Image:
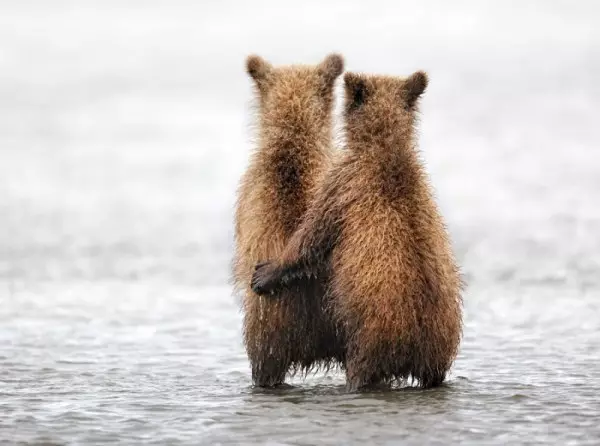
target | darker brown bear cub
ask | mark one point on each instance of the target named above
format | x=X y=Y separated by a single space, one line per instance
x=374 y=231
x=294 y=150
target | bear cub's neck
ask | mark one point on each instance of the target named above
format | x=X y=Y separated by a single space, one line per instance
x=392 y=159
x=298 y=140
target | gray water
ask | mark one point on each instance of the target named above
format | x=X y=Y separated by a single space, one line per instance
x=123 y=132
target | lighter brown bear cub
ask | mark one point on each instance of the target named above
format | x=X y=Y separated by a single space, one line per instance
x=375 y=232
x=295 y=107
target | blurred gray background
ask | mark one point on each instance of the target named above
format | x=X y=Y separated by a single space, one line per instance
x=124 y=128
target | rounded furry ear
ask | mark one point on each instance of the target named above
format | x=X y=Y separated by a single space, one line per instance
x=332 y=67
x=415 y=85
x=258 y=68
x=356 y=90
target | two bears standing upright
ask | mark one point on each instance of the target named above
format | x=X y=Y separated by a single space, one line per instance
x=342 y=256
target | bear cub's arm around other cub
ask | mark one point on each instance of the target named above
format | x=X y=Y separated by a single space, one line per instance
x=306 y=253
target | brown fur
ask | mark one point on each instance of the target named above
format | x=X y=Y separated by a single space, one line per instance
x=374 y=230
x=295 y=107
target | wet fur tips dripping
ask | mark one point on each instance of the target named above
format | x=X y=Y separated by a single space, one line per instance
x=375 y=233
x=293 y=151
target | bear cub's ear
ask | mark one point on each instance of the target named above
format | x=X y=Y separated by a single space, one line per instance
x=414 y=86
x=332 y=67
x=258 y=68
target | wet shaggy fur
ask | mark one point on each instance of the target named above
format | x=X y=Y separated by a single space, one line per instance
x=375 y=233
x=294 y=149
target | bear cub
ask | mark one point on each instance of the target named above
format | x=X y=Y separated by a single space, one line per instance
x=294 y=149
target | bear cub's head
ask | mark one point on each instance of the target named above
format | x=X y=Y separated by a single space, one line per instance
x=296 y=97
x=378 y=105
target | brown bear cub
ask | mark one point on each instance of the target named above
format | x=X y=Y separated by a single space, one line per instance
x=375 y=233
x=295 y=148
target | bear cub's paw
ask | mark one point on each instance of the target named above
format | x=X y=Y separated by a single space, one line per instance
x=266 y=279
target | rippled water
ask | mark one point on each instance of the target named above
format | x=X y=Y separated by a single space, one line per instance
x=123 y=132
